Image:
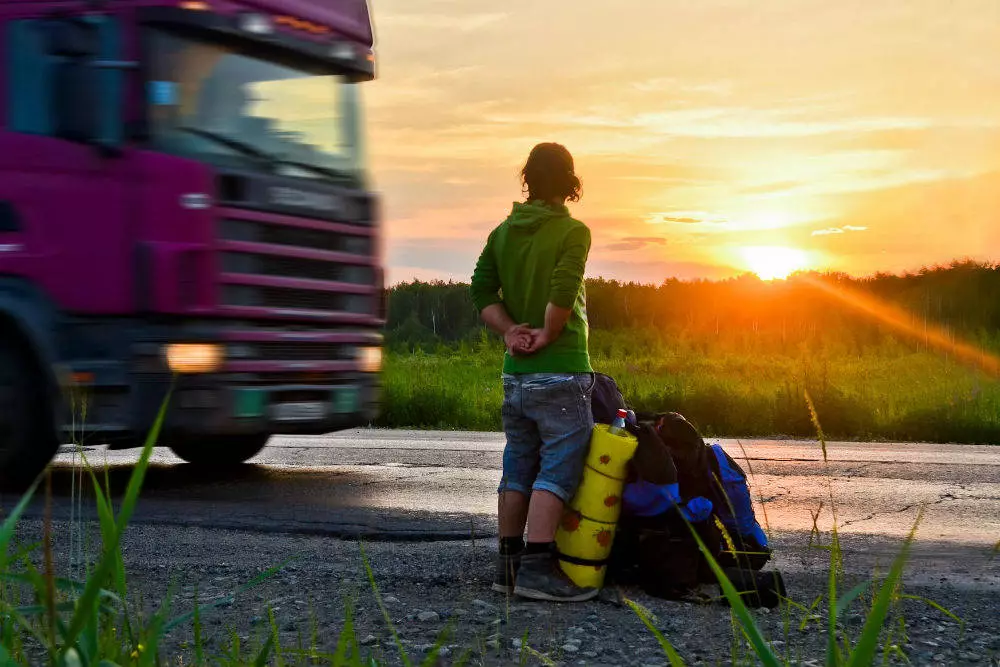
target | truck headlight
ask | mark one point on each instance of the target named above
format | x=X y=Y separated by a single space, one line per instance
x=190 y=358
x=256 y=24
x=370 y=359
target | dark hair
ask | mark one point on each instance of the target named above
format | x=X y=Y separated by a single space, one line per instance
x=548 y=174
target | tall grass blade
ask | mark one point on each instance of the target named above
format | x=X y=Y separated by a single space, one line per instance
x=844 y=601
x=381 y=605
x=760 y=646
x=265 y=652
x=106 y=519
x=833 y=657
x=109 y=559
x=668 y=649
x=199 y=649
x=6 y=659
x=814 y=417
x=7 y=528
x=432 y=655
x=347 y=641
x=931 y=603
x=231 y=597
x=864 y=651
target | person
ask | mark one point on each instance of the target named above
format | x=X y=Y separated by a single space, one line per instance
x=528 y=286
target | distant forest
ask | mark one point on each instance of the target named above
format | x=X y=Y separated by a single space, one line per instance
x=828 y=311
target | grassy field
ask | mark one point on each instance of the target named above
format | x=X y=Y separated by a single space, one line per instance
x=891 y=392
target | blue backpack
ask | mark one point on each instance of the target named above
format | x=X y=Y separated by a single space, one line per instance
x=734 y=507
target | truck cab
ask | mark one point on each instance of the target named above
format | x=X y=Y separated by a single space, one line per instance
x=185 y=213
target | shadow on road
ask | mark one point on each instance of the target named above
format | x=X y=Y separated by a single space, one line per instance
x=402 y=504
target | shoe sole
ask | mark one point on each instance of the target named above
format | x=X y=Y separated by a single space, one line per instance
x=500 y=588
x=532 y=594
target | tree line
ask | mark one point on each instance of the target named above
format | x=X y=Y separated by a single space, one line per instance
x=960 y=301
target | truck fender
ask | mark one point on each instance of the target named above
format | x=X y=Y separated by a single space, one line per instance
x=28 y=315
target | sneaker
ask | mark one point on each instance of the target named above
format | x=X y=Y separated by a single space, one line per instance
x=541 y=579
x=507 y=567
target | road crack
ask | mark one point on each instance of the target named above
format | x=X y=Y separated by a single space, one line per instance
x=942 y=498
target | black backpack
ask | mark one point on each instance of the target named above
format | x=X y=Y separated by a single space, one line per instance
x=658 y=553
x=606 y=399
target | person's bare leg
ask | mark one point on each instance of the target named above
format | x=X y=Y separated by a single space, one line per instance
x=512 y=513
x=545 y=511
x=540 y=577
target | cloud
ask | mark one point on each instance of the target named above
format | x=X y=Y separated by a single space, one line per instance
x=838 y=230
x=686 y=218
x=632 y=243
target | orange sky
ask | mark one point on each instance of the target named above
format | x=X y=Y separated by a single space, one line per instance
x=866 y=135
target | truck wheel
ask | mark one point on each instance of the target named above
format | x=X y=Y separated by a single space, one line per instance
x=220 y=451
x=28 y=438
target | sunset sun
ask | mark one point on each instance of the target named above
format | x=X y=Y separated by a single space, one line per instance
x=774 y=262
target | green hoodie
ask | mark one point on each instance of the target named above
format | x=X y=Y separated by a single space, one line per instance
x=537 y=256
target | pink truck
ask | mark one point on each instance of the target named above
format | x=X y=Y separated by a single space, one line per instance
x=184 y=203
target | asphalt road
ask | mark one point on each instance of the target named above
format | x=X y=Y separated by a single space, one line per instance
x=420 y=485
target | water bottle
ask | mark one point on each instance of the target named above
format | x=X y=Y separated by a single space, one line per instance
x=618 y=425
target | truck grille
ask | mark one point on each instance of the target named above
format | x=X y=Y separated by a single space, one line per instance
x=316 y=239
x=279 y=298
x=277 y=351
x=296 y=268
x=291 y=267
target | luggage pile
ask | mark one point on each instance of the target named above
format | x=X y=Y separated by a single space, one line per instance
x=676 y=483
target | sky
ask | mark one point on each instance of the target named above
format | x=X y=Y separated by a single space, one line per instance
x=850 y=135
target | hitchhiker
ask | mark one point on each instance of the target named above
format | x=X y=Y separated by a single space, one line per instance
x=528 y=286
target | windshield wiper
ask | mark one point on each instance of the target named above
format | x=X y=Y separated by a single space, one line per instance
x=264 y=156
x=325 y=171
x=235 y=144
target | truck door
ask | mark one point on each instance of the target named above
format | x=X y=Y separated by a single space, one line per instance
x=63 y=210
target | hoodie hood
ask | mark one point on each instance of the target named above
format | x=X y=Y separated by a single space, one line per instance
x=529 y=216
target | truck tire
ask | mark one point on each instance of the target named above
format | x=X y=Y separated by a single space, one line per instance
x=220 y=451
x=28 y=435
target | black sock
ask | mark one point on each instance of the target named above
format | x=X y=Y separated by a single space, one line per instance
x=540 y=547
x=511 y=545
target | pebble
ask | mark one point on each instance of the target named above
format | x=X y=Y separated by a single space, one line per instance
x=570 y=648
x=368 y=640
x=493 y=644
x=589 y=654
x=966 y=656
x=515 y=643
x=940 y=657
x=390 y=600
x=428 y=617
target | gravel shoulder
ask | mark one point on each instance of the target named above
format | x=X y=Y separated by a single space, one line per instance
x=427 y=586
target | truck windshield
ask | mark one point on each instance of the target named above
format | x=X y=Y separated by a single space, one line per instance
x=211 y=102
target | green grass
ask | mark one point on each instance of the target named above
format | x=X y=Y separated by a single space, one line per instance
x=892 y=392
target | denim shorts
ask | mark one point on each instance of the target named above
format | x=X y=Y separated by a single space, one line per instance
x=548 y=423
